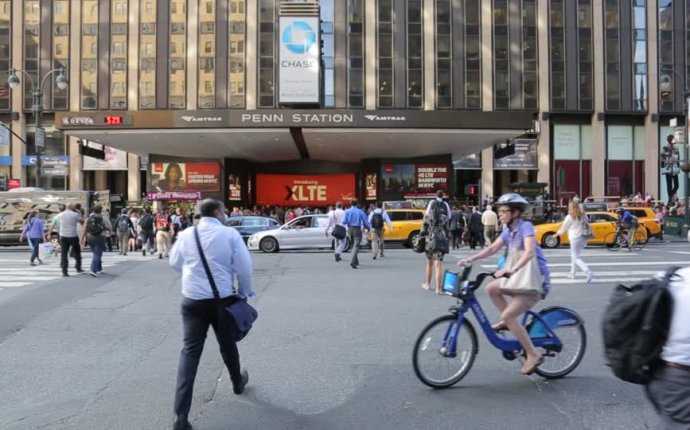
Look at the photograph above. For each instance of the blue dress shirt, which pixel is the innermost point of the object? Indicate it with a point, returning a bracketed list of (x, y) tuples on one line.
[(355, 217), (34, 228), (226, 255)]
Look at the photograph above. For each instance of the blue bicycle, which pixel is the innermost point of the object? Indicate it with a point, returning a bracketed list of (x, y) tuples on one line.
[(445, 350)]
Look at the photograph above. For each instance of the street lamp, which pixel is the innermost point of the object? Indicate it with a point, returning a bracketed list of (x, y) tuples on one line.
[(37, 105)]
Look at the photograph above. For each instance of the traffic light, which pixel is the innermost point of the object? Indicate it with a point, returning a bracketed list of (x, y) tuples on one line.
[(471, 189)]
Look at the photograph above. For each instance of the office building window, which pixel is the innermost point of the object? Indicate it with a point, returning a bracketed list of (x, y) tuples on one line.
[(177, 62), (207, 55), (444, 49), (61, 11), (5, 49), (384, 42), (501, 56), (32, 19), (557, 53), (147, 54), (585, 65), (612, 54), (119, 39), (530, 81), (89, 54), (473, 55), (236, 55), (415, 59), (355, 53), (267, 19), (327, 58), (639, 57), (668, 80)]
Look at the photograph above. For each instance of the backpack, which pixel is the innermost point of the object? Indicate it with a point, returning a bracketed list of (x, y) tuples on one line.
[(94, 225), (377, 220), (163, 223), (123, 224), (635, 327), (146, 222), (439, 214)]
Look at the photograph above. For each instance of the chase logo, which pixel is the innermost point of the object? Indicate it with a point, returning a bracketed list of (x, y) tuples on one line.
[(299, 37)]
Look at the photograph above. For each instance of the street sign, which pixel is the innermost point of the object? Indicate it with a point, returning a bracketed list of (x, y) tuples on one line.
[(673, 122), (40, 138)]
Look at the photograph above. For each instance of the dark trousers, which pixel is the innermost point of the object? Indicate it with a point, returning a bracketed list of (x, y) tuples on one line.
[(671, 185), (355, 234), (35, 245), (669, 393), (67, 243), (456, 238), (147, 239), (475, 238), (97, 244), (197, 315)]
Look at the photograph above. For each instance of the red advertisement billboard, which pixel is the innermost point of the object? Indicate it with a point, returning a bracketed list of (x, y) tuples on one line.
[(172, 176), (431, 178), (304, 190)]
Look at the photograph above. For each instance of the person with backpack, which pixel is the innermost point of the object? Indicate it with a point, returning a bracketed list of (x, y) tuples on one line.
[(437, 237), (669, 386), (147, 224), (378, 218), (528, 277), (95, 231), (124, 227), (628, 221), (163, 234), (574, 225)]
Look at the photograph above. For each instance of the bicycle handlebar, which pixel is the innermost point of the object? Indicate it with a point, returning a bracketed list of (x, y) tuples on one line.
[(479, 279)]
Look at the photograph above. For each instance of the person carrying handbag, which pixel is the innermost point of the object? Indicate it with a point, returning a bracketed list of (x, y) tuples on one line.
[(208, 288), (525, 277), (579, 231)]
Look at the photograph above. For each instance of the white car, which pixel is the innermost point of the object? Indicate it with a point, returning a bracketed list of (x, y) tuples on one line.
[(305, 232)]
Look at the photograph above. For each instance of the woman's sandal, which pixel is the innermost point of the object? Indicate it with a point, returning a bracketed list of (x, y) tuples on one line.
[(499, 326), (426, 287), (533, 368)]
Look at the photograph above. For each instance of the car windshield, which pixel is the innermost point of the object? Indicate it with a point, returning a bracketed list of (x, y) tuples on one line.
[(254, 222)]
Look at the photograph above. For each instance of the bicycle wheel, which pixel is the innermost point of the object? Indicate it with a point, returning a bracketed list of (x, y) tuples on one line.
[(438, 364), (573, 338), (641, 240), (615, 241)]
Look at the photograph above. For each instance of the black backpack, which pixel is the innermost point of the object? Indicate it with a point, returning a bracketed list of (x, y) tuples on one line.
[(636, 325), (146, 222), (377, 220), (94, 225)]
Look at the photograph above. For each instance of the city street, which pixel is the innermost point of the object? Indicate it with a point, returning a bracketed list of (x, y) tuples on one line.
[(331, 349)]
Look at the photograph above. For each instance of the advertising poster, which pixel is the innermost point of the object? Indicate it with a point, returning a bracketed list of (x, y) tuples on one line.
[(468, 162), (524, 158), (173, 176), (174, 195), (304, 190), (370, 186), (398, 178), (234, 188), (298, 66), (114, 160), (430, 179)]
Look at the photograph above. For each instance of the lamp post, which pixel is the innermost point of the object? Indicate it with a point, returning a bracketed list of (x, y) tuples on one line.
[(37, 106)]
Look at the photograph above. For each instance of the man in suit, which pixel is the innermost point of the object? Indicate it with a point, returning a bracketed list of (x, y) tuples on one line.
[(476, 229), (456, 227)]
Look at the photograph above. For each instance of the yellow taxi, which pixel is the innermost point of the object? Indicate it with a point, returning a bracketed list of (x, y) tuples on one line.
[(603, 224), (646, 217), (407, 224)]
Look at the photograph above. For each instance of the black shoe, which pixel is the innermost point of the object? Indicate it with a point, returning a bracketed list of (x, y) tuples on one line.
[(182, 423), (381, 256), (337, 257), (80, 271), (374, 257), (353, 265), (143, 252), (239, 388), (65, 275), (160, 256)]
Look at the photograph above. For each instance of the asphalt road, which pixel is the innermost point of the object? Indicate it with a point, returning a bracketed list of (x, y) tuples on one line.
[(331, 350)]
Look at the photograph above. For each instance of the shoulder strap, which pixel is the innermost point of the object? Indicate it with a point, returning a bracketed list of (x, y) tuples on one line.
[(205, 264), (670, 272)]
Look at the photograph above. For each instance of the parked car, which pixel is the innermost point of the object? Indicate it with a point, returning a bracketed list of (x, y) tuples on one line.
[(603, 223), (647, 218), (407, 224), (248, 225), (305, 232)]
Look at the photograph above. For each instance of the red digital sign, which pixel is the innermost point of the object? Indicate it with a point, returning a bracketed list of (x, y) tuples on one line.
[(113, 120), (304, 190)]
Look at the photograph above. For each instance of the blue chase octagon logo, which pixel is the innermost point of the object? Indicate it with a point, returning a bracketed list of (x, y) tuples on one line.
[(299, 37)]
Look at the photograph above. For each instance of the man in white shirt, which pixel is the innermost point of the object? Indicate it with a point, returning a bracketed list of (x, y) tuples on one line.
[(227, 257), (335, 217), (69, 238), (490, 221), (377, 219), (669, 390)]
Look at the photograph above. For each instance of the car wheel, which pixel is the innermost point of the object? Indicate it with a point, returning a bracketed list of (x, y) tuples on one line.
[(550, 240), (268, 244), (412, 239)]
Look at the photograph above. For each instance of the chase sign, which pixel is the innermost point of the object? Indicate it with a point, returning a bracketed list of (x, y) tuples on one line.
[(299, 61)]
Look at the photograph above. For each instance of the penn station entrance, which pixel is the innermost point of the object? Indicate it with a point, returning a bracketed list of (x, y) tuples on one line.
[(290, 157)]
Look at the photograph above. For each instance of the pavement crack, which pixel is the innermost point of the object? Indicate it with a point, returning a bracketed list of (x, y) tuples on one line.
[(58, 421)]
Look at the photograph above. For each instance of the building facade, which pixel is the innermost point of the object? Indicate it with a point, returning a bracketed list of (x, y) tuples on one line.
[(602, 79)]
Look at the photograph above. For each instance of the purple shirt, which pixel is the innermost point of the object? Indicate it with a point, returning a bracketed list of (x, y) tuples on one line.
[(526, 229), (34, 228)]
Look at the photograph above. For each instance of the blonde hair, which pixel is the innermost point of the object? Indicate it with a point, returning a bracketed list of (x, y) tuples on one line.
[(575, 210)]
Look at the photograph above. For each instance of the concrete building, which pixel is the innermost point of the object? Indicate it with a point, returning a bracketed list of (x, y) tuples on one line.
[(586, 86)]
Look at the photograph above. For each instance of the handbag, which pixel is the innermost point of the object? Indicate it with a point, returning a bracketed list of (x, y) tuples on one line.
[(420, 245), (241, 315), (339, 232), (526, 280), (586, 228)]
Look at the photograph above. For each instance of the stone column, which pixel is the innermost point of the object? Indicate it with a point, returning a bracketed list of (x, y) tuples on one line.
[(429, 55), (651, 158), (252, 54), (487, 185), (133, 185), (544, 147)]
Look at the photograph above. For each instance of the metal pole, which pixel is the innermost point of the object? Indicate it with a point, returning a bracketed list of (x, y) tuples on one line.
[(686, 175), (37, 109)]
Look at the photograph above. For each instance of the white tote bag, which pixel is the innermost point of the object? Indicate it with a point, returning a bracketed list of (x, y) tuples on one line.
[(526, 280)]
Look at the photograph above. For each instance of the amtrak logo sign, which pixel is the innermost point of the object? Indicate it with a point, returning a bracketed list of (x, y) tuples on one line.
[(299, 61), (299, 37)]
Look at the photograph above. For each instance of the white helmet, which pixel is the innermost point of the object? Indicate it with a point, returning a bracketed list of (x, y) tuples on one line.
[(513, 200)]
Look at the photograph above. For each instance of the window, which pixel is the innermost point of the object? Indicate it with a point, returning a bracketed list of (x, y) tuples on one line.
[(177, 73), (585, 65), (89, 55), (415, 78), (5, 43), (612, 55), (206, 56), (639, 36), (328, 57), (147, 54), (384, 41), (472, 84), (266, 49), (557, 54), (355, 53), (444, 53), (209, 7)]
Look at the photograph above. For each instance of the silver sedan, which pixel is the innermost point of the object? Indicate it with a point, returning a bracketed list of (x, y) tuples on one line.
[(305, 232)]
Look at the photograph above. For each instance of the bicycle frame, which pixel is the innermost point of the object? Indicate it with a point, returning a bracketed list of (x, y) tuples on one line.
[(548, 339)]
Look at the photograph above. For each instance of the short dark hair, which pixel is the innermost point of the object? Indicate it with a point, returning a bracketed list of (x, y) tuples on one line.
[(208, 207), (354, 202), (439, 194), (97, 209), (379, 205), (339, 205)]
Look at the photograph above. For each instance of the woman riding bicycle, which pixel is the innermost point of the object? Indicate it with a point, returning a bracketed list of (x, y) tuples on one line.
[(518, 237)]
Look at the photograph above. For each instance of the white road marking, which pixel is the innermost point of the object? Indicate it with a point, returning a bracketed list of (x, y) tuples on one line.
[(615, 263)]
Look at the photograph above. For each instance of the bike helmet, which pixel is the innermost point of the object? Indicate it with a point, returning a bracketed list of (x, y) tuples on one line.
[(513, 200)]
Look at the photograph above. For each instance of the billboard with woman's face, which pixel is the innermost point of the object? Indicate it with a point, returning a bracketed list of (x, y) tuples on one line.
[(174, 176)]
